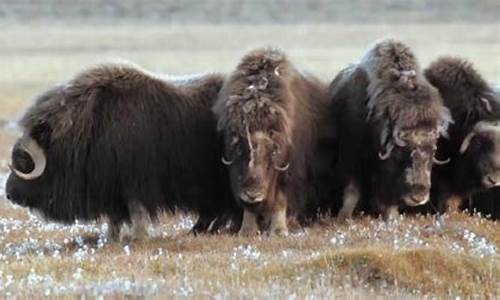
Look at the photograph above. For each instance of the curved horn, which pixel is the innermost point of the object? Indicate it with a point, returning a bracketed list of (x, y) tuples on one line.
[(277, 71), (282, 169), (226, 162), (440, 162), (388, 151), (466, 142), (486, 103), (479, 127), (247, 128), (30, 146), (397, 139)]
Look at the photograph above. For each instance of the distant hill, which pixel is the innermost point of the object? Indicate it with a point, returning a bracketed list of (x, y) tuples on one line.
[(253, 11)]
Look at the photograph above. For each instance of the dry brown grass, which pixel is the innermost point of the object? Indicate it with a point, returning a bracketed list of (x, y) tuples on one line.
[(409, 257)]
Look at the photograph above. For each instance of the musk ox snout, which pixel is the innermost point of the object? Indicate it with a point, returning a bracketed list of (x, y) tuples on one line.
[(416, 199), (12, 191), (250, 196), (491, 180)]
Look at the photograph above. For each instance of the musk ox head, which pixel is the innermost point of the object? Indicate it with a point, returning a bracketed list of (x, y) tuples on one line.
[(414, 120), (48, 162), (255, 161), (482, 146), (406, 160), (28, 172)]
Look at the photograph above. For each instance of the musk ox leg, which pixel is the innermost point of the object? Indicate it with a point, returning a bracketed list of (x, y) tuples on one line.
[(278, 224), (114, 227), (208, 223), (390, 212), (350, 200), (236, 220), (140, 219), (220, 223), (249, 225), (450, 205), (202, 224)]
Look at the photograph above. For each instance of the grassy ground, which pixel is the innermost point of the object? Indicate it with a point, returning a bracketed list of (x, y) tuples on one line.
[(413, 256)]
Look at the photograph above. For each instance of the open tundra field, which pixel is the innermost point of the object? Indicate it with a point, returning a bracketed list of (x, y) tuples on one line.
[(455, 255)]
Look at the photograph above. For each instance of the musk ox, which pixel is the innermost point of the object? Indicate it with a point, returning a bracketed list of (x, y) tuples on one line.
[(120, 142), (388, 119), (474, 138), (270, 114)]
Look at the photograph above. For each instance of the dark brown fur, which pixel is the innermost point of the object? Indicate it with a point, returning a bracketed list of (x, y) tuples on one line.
[(116, 135), (267, 94), (383, 96), (398, 90), (471, 101)]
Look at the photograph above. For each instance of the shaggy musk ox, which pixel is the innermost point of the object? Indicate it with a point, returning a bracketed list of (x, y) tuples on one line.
[(119, 142), (474, 139), (270, 116), (388, 119)]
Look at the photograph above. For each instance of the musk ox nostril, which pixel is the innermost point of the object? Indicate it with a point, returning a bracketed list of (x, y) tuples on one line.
[(490, 181), (250, 197), (8, 197)]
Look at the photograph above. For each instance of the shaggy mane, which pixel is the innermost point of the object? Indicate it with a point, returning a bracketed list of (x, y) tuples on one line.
[(254, 95), (70, 105), (115, 134), (463, 89), (397, 90)]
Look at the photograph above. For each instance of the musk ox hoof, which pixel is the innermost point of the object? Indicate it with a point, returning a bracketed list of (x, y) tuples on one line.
[(280, 232), (390, 213), (133, 234), (248, 232), (249, 225), (343, 216)]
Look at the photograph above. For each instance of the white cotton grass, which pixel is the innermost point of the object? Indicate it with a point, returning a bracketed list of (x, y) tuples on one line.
[(360, 258)]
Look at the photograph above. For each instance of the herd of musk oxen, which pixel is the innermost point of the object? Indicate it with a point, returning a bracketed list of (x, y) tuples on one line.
[(252, 150)]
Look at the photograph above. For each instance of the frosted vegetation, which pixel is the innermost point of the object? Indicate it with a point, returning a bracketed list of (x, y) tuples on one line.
[(451, 255)]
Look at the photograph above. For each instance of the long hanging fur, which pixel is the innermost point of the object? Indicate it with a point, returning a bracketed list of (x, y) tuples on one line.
[(266, 93), (398, 90), (117, 134), (385, 92)]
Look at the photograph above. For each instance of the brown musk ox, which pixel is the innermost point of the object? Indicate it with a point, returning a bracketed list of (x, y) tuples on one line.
[(271, 116), (388, 120), (473, 144), (121, 142)]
